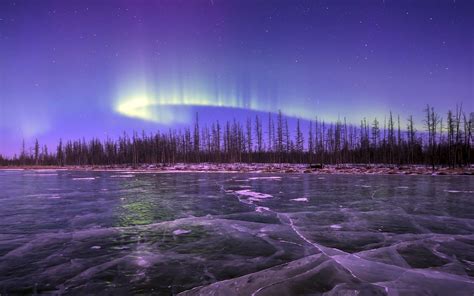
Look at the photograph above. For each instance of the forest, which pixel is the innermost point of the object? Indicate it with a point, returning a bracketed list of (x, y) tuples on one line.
[(442, 141)]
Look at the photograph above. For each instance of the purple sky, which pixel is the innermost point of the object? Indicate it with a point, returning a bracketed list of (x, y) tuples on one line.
[(73, 69)]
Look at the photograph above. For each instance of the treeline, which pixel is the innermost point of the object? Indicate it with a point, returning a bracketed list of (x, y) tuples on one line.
[(269, 140)]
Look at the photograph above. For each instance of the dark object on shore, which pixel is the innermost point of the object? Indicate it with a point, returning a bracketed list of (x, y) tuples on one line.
[(315, 166)]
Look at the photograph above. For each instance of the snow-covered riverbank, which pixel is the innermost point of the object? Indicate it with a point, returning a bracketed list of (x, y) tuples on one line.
[(264, 168)]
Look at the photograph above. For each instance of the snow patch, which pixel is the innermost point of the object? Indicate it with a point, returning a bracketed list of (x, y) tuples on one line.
[(265, 178), (44, 195), (363, 186), (253, 195), (88, 178), (122, 176), (181, 231), (261, 209), (300, 199), (459, 191), (40, 175)]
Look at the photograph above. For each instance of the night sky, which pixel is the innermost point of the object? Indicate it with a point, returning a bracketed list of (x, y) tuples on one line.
[(74, 69)]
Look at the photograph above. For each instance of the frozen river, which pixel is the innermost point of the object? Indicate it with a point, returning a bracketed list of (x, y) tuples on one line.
[(114, 233)]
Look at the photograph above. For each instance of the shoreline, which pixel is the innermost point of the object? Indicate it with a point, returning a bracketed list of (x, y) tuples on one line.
[(345, 169)]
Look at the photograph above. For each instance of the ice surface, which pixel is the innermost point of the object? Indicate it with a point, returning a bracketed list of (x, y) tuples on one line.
[(205, 234)]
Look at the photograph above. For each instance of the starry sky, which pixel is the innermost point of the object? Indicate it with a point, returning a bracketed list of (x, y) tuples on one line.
[(74, 69)]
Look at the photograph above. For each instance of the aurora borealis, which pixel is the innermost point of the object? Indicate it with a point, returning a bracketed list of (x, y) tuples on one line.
[(73, 69)]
